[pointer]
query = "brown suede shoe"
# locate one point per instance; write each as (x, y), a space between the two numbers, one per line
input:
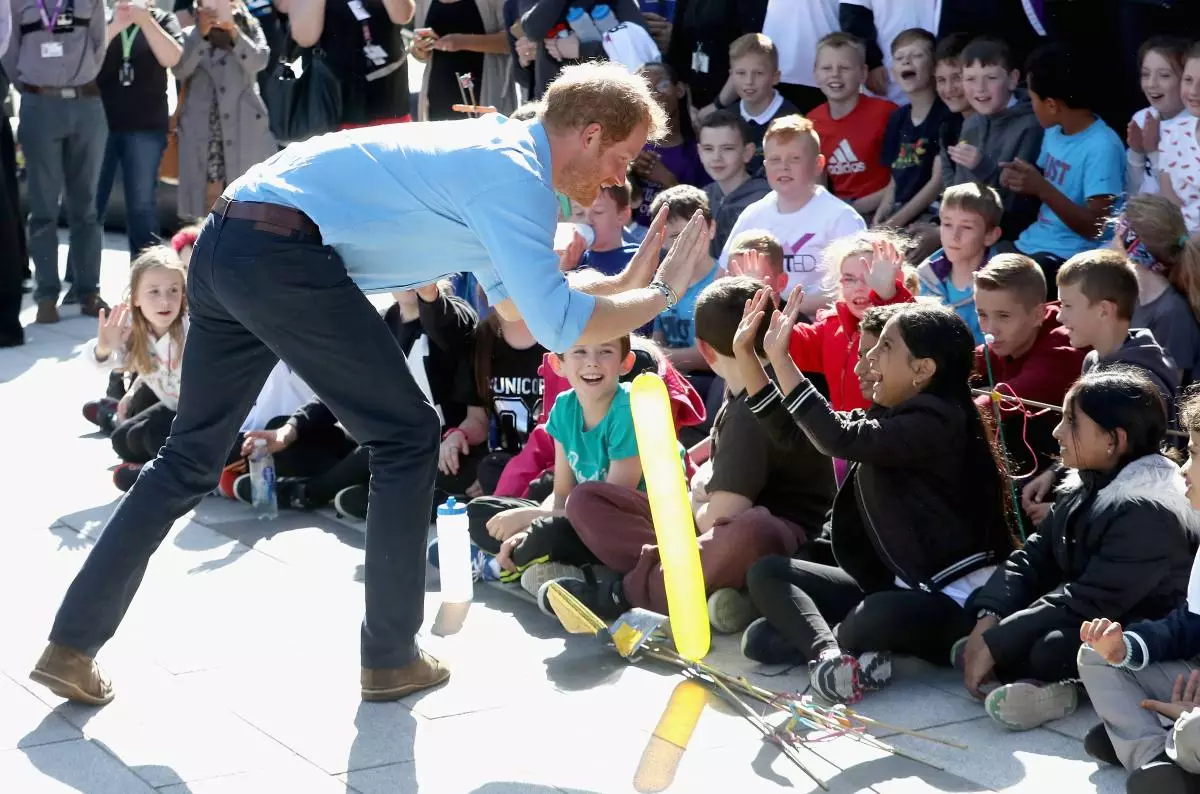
(92, 305)
(71, 675)
(425, 672)
(47, 312)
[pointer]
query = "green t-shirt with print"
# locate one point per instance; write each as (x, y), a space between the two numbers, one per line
(590, 451)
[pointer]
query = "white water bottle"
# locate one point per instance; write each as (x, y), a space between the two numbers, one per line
(604, 18)
(582, 25)
(454, 552)
(262, 481)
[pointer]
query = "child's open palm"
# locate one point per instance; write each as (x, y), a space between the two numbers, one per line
(752, 318)
(1105, 637)
(113, 330)
(779, 332)
(886, 265)
(1185, 696)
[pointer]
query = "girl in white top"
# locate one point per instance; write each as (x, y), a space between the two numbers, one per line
(1161, 59)
(1179, 160)
(145, 335)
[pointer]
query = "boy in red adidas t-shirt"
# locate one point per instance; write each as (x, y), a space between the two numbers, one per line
(851, 126)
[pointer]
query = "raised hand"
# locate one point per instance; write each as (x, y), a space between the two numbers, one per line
(779, 332)
(885, 268)
(112, 330)
(752, 318)
(1185, 696)
(641, 268)
(679, 265)
(1105, 638)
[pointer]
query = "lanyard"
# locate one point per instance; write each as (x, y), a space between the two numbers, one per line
(49, 20)
(127, 36)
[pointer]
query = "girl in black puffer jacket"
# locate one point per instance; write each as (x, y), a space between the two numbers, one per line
(1118, 543)
(918, 522)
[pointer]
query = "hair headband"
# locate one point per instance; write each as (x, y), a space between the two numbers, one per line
(1137, 251)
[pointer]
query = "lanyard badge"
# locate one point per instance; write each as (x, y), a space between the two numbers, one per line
(59, 20)
(374, 53)
(127, 36)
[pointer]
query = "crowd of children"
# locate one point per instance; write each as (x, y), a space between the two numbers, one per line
(932, 384)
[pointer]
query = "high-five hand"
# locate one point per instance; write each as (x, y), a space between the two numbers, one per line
(779, 333)
(112, 331)
(752, 319)
(689, 248)
(886, 266)
(641, 268)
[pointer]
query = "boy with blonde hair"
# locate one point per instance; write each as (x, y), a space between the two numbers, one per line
(850, 124)
(801, 214)
(754, 69)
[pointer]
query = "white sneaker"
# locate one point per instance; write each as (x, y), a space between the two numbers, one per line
(1025, 705)
(538, 574)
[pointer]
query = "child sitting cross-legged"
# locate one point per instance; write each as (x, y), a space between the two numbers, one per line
(758, 494)
(1142, 678)
(1117, 543)
(921, 517)
(592, 427)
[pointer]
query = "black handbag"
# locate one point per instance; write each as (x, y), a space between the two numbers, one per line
(304, 106)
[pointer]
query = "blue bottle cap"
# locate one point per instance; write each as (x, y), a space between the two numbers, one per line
(452, 507)
(574, 13)
(601, 11)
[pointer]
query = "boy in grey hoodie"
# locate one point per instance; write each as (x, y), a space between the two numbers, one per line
(727, 150)
(1002, 129)
(1098, 291)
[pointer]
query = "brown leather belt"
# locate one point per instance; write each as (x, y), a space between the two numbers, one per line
(274, 218)
(63, 92)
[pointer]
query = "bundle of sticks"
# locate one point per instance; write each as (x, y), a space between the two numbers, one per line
(466, 87)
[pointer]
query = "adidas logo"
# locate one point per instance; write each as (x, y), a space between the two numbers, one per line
(844, 161)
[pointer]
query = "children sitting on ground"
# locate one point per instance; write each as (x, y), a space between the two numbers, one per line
(675, 159)
(756, 495)
(1151, 232)
(1002, 129)
(969, 226)
(1142, 678)
(802, 215)
(1179, 147)
(1027, 354)
(592, 427)
(1081, 164)
(608, 216)
(910, 143)
(754, 71)
(850, 124)
(1162, 59)
(864, 270)
(727, 150)
(144, 336)
(674, 329)
(1117, 543)
(1097, 292)
(919, 519)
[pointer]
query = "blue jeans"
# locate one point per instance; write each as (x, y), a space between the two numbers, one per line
(254, 297)
(137, 155)
(63, 141)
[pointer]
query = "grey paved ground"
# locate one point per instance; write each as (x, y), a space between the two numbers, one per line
(237, 667)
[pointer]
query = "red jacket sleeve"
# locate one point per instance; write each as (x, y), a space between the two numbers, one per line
(807, 346)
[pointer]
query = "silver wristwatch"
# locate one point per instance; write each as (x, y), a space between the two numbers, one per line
(666, 291)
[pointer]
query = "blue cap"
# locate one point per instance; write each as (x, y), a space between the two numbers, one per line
(574, 13)
(601, 11)
(452, 508)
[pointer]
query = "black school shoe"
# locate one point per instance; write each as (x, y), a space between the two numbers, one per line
(602, 593)
(352, 502)
(1161, 776)
(102, 413)
(289, 492)
(1098, 744)
(763, 643)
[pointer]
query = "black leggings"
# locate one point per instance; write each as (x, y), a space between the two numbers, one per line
(801, 599)
(139, 438)
(548, 537)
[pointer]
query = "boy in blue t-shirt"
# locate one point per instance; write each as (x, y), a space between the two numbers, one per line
(970, 217)
(1082, 164)
(674, 329)
(608, 216)
(592, 427)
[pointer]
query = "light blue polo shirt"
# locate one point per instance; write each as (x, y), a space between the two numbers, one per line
(406, 204)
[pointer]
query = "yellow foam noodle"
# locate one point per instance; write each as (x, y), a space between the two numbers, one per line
(674, 527)
(574, 616)
(664, 751)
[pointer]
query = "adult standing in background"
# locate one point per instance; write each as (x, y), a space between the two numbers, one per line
(269, 20)
(144, 42)
(796, 26)
(465, 37)
(699, 48)
(12, 246)
(223, 125)
(279, 272)
(878, 23)
(364, 45)
(545, 16)
(54, 55)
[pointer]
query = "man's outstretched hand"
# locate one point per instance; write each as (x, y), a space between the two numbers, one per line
(641, 268)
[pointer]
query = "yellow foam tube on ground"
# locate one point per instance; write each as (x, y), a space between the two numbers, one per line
(674, 527)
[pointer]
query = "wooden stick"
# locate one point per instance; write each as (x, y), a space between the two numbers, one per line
(852, 714)
(768, 732)
(463, 108)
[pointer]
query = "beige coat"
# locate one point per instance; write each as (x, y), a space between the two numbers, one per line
(499, 87)
(231, 74)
